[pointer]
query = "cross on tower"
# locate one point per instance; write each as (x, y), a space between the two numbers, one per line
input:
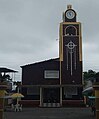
(70, 48)
(71, 45)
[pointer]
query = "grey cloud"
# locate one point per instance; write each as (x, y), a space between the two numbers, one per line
(29, 29)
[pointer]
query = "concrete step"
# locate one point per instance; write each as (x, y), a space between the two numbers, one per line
(51, 105)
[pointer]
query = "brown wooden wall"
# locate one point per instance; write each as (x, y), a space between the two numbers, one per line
(34, 74)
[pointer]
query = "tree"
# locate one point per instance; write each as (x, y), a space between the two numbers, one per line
(89, 78)
(89, 75)
(4, 78)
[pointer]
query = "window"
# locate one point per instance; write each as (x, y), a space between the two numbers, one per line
(33, 91)
(51, 74)
(69, 91)
(70, 31)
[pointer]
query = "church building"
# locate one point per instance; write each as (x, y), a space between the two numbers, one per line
(57, 82)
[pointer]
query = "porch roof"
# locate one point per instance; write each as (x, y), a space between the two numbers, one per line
(45, 86)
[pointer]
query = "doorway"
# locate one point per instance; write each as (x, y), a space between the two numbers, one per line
(51, 95)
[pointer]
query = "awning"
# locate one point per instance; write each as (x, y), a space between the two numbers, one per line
(6, 70)
(87, 91)
(91, 97)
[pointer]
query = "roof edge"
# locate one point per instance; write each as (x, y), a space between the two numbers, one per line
(54, 59)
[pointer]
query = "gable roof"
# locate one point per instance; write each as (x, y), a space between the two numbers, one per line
(55, 59)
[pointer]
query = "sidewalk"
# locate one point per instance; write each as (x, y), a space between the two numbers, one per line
(51, 113)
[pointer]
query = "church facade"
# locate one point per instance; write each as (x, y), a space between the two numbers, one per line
(57, 82)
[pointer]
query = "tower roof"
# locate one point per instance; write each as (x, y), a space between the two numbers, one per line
(69, 6)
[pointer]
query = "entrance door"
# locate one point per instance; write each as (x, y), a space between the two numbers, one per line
(51, 95)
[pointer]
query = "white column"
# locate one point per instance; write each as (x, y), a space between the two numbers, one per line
(40, 96)
(60, 96)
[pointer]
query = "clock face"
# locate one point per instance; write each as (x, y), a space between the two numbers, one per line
(70, 14)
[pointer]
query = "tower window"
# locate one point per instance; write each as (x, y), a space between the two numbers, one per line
(70, 31)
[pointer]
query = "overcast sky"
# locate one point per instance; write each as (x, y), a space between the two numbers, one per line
(29, 29)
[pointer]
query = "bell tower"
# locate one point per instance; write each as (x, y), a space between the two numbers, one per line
(70, 49)
(69, 15)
